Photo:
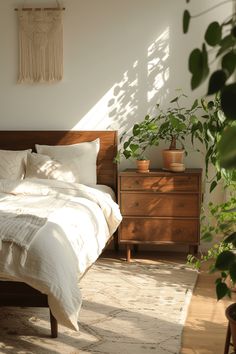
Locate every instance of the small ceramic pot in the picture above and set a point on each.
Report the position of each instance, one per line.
(143, 165)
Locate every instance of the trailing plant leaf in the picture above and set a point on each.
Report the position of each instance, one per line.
(228, 99)
(216, 82)
(221, 290)
(186, 21)
(213, 34)
(213, 186)
(231, 239)
(228, 63)
(232, 272)
(195, 104)
(195, 61)
(227, 148)
(225, 44)
(224, 260)
(174, 99)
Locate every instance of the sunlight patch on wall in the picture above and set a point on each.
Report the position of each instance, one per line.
(116, 106)
(157, 66)
(97, 118)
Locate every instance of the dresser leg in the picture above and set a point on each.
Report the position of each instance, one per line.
(128, 252)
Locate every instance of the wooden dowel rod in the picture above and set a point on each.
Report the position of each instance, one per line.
(39, 9)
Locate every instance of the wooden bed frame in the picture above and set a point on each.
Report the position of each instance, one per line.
(20, 294)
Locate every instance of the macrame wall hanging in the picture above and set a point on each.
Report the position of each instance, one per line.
(40, 44)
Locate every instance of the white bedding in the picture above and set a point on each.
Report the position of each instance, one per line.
(62, 250)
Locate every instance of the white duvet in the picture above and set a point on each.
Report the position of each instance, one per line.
(80, 220)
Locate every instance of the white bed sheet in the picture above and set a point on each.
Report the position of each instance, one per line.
(57, 259)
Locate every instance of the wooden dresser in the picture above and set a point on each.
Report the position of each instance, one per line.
(160, 207)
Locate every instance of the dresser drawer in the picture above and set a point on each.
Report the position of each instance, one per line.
(155, 204)
(159, 230)
(160, 183)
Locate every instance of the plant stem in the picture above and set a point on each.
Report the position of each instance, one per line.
(173, 143)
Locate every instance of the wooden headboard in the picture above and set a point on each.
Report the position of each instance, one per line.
(106, 168)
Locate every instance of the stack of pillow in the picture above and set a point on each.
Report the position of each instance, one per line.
(68, 163)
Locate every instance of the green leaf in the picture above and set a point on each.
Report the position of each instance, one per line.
(174, 99)
(224, 260)
(126, 144)
(186, 21)
(233, 32)
(217, 81)
(228, 62)
(181, 116)
(209, 133)
(136, 130)
(164, 126)
(127, 154)
(134, 147)
(174, 121)
(228, 99)
(231, 239)
(227, 148)
(195, 81)
(226, 43)
(210, 105)
(213, 185)
(198, 66)
(213, 34)
(195, 61)
(221, 116)
(204, 104)
(207, 236)
(221, 290)
(195, 104)
(194, 120)
(232, 272)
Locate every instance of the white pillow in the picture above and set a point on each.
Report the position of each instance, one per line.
(83, 154)
(12, 164)
(43, 166)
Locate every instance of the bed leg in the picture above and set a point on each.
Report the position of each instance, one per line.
(54, 326)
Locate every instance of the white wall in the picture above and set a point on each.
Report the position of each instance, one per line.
(120, 58)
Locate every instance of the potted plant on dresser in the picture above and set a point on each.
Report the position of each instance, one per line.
(135, 143)
(174, 125)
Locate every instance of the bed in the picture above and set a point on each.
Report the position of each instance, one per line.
(16, 291)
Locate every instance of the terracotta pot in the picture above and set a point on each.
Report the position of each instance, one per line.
(172, 156)
(230, 313)
(143, 165)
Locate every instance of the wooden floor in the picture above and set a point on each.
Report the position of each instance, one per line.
(205, 327)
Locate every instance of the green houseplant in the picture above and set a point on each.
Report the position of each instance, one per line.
(219, 45)
(135, 143)
(174, 125)
(209, 131)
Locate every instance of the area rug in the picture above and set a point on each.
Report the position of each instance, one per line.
(127, 308)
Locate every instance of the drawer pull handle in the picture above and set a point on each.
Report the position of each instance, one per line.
(136, 204)
(136, 182)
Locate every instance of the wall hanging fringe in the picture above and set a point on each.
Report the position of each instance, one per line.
(40, 45)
